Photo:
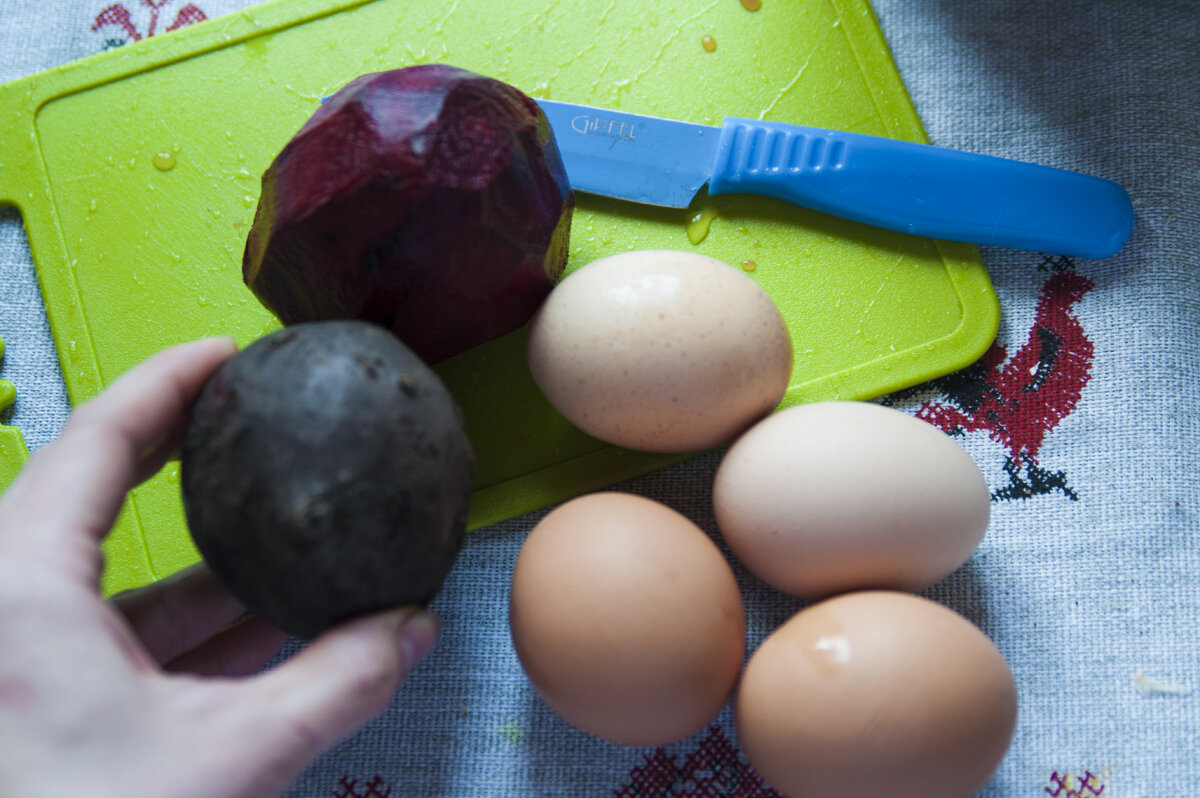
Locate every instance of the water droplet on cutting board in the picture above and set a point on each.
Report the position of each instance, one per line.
(164, 161)
(749, 265)
(257, 47)
(699, 223)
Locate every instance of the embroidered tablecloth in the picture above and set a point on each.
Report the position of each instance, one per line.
(1084, 416)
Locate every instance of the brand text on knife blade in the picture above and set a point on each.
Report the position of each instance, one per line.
(588, 124)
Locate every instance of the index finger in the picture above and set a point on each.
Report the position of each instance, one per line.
(65, 500)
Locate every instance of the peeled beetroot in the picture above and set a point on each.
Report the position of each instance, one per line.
(430, 200)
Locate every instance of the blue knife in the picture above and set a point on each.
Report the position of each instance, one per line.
(898, 185)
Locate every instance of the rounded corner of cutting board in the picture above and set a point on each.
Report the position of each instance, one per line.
(975, 332)
(980, 307)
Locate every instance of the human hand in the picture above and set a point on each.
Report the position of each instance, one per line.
(157, 692)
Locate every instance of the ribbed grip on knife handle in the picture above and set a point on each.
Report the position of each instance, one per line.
(758, 150)
(925, 190)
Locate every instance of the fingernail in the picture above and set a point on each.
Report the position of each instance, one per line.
(417, 637)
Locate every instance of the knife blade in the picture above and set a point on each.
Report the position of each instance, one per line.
(898, 185)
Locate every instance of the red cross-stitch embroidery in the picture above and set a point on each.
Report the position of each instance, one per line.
(1066, 786)
(351, 788)
(120, 17)
(713, 770)
(1018, 400)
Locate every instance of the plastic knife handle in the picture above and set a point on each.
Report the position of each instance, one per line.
(924, 190)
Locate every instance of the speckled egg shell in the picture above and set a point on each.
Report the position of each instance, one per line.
(660, 351)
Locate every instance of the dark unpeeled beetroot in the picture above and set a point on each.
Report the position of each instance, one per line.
(326, 474)
(429, 199)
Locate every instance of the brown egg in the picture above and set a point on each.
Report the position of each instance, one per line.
(627, 619)
(876, 693)
(660, 351)
(836, 496)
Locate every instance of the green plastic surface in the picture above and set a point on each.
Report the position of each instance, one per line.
(137, 171)
(12, 445)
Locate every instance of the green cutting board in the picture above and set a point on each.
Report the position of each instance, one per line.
(137, 171)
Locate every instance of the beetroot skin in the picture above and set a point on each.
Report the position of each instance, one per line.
(429, 199)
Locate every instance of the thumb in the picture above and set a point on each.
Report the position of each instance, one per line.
(338, 683)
